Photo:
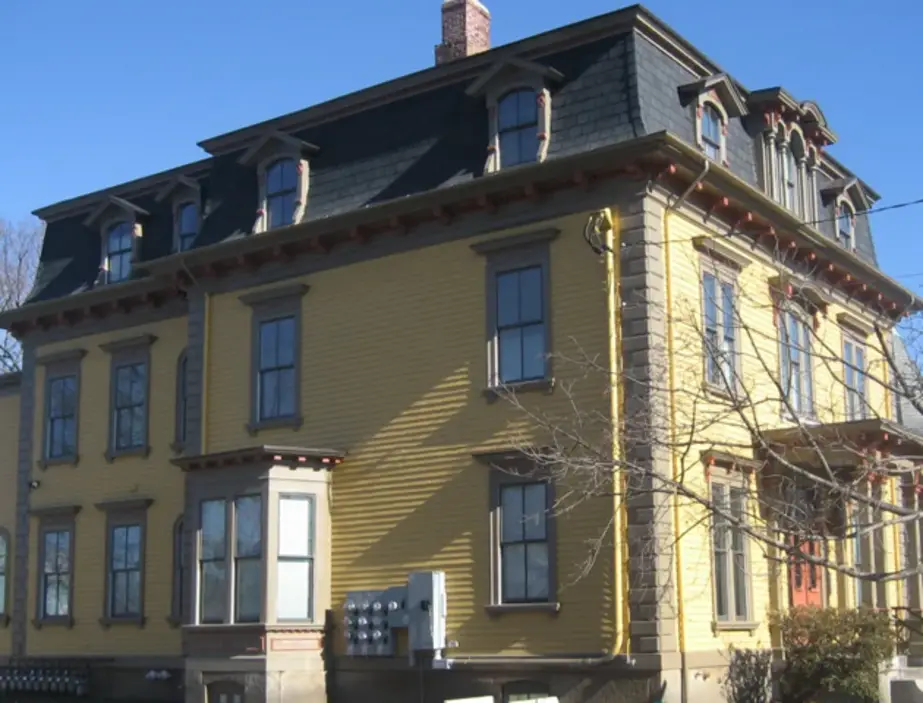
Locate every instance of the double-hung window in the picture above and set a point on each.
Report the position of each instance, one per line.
(521, 319)
(130, 406)
(118, 243)
(61, 433)
(231, 560)
(276, 380)
(281, 192)
(844, 226)
(524, 543)
(56, 573)
(187, 225)
(517, 128)
(125, 554)
(295, 565)
(854, 377)
(729, 553)
(712, 128)
(720, 332)
(797, 376)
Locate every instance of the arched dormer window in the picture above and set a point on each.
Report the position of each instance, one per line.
(517, 127)
(187, 224)
(281, 192)
(794, 184)
(845, 225)
(118, 250)
(713, 128)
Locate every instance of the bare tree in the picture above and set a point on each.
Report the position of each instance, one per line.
(20, 245)
(755, 381)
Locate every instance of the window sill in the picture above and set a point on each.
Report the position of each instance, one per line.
(142, 452)
(720, 393)
(71, 460)
(734, 626)
(539, 385)
(65, 621)
(137, 621)
(495, 609)
(293, 423)
(807, 419)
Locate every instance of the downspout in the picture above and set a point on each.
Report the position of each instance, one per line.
(613, 260)
(668, 290)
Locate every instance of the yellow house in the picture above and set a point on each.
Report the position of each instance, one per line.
(432, 390)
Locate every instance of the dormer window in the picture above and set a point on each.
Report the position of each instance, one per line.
(712, 132)
(187, 225)
(281, 193)
(282, 168)
(518, 111)
(845, 225)
(118, 245)
(791, 180)
(517, 127)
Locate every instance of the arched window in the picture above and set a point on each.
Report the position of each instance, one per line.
(712, 132)
(187, 225)
(517, 128)
(845, 225)
(4, 572)
(178, 611)
(281, 193)
(118, 252)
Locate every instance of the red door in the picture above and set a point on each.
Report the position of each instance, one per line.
(806, 580)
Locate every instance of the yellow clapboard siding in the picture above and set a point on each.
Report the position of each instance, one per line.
(703, 421)
(94, 480)
(393, 373)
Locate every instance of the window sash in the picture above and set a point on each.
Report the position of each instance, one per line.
(213, 582)
(130, 406)
(797, 375)
(520, 324)
(276, 374)
(61, 438)
(712, 125)
(519, 549)
(517, 128)
(56, 573)
(721, 357)
(248, 559)
(729, 555)
(125, 571)
(854, 380)
(295, 558)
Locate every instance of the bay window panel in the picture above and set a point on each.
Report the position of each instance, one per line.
(293, 597)
(295, 564)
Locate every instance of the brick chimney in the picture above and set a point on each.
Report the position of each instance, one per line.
(465, 30)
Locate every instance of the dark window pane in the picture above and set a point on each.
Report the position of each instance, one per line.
(721, 596)
(537, 571)
(269, 394)
(249, 590)
(510, 355)
(276, 211)
(269, 344)
(214, 591)
(188, 219)
(511, 514)
(508, 113)
(137, 426)
(133, 547)
(534, 511)
(530, 287)
(509, 149)
(286, 341)
(528, 107)
(119, 540)
(513, 562)
(533, 351)
(528, 145)
(214, 517)
(508, 299)
(286, 392)
(249, 527)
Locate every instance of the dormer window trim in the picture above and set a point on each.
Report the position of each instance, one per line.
(716, 92)
(125, 213)
(266, 151)
(507, 78)
(706, 103)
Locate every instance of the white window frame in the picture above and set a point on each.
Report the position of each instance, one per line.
(302, 171)
(729, 482)
(841, 203)
(309, 557)
(135, 233)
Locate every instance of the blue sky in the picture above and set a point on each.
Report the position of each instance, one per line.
(97, 92)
